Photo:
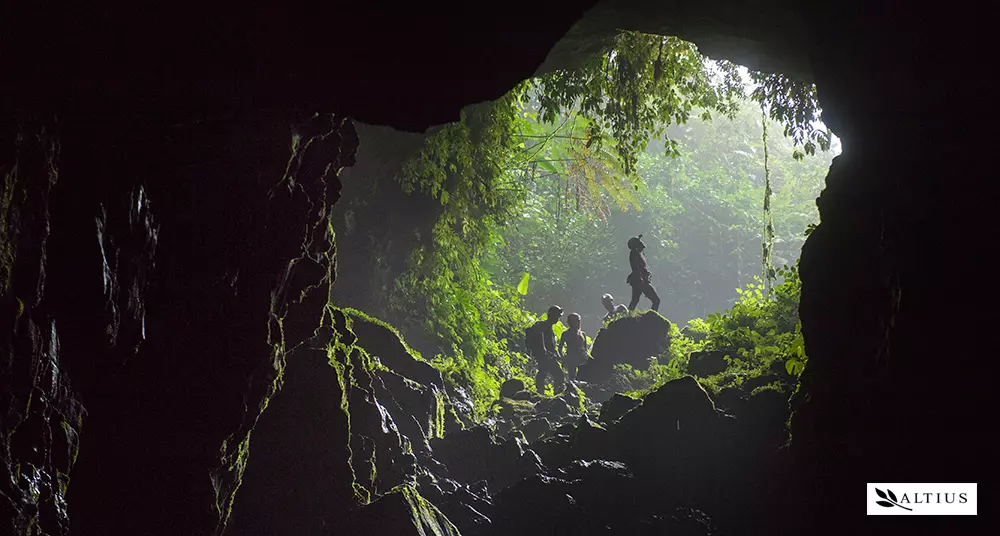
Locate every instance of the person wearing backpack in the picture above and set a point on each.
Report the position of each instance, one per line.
(541, 344)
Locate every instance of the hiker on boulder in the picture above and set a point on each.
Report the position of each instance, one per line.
(541, 343)
(573, 345)
(639, 278)
(613, 310)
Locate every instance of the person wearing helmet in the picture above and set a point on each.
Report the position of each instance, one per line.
(541, 343)
(639, 278)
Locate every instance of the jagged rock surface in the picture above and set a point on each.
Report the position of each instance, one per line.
(41, 416)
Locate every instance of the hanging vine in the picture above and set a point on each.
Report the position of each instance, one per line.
(768, 243)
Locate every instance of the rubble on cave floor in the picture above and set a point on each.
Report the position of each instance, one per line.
(675, 460)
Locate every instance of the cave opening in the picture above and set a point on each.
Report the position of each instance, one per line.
(462, 236)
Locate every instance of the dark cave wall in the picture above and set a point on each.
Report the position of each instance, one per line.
(886, 396)
(41, 416)
(171, 330)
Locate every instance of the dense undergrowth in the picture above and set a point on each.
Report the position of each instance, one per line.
(758, 334)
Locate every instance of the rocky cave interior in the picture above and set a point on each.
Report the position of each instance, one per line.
(167, 262)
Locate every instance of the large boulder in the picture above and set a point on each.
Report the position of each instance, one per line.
(536, 429)
(729, 399)
(419, 410)
(511, 387)
(672, 434)
(300, 474)
(474, 455)
(628, 339)
(616, 407)
(708, 363)
(466, 508)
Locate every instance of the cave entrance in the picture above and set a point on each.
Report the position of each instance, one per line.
(464, 235)
(460, 238)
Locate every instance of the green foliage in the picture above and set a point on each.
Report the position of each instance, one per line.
(549, 181)
(758, 330)
(636, 89)
(522, 287)
(795, 105)
(700, 212)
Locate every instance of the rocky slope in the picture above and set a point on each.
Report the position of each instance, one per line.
(364, 439)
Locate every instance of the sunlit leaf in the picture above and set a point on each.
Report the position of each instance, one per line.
(522, 287)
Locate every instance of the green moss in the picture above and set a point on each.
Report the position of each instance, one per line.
(7, 233)
(354, 314)
(773, 386)
(426, 517)
(440, 402)
(510, 407)
(580, 396)
(339, 353)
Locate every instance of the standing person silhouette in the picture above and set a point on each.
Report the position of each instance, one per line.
(639, 278)
(573, 346)
(541, 343)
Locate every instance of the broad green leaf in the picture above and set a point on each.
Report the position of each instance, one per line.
(522, 287)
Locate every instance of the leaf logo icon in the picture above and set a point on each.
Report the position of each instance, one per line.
(889, 501)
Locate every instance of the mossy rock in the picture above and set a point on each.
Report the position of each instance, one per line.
(402, 511)
(510, 407)
(629, 339)
(530, 396)
(382, 340)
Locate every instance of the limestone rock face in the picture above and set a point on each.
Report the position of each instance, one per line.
(402, 511)
(155, 275)
(41, 415)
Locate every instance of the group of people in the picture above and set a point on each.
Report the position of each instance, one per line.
(572, 348)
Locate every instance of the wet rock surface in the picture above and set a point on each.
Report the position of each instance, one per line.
(41, 415)
(372, 440)
(617, 406)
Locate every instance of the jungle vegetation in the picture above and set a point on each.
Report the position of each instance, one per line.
(540, 189)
